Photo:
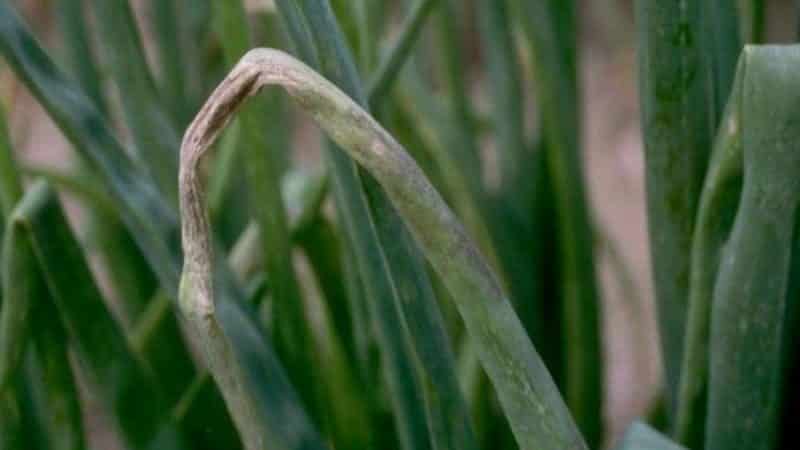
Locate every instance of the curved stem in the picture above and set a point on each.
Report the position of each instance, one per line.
(537, 413)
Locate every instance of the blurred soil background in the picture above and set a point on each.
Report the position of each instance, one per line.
(614, 171)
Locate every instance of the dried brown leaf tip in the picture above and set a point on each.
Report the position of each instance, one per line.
(523, 383)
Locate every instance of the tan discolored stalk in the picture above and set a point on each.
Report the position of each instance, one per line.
(537, 413)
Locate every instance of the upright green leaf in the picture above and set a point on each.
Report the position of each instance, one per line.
(155, 334)
(722, 44)
(718, 206)
(676, 124)
(448, 129)
(130, 278)
(197, 44)
(194, 415)
(405, 389)
(296, 25)
(346, 408)
(136, 406)
(168, 21)
(390, 65)
(54, 390)
(10, 184)
(448, 417)
(151, 221)
(127, 268)
(26, 301)
(145, 115)
(371, 19)
(13, 433)
(322, 247)
(512, 230)
(80, 56)
(143, 211)
(754, 13)
(457, 94)
(20, 290)
(347, 15)
(551, 31)
(504, 74)
(445, 410)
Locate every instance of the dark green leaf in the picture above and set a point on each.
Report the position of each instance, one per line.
(513, 229)
(13, 433)
(755, 21)
(54, 390)
(168, 22)
(676, 104)
(48, 377)
(146, 215)
(391, 64)
(551, 32)
(718, 206)
(404, 386)
(80, 57)
(149, 219)
(153, 133)
(20, 290)
(129, 392)
(465, 145)
(10, 185)
(722, 44)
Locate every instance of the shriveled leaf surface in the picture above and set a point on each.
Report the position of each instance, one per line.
(536, 411)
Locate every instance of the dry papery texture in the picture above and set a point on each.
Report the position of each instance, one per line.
(536, 412)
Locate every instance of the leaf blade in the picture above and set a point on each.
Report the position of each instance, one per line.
(99, 343)
(676, 125)
(640, 436)
(755, 295)
(149, 219)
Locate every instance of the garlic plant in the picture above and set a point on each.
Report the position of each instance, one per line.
(215, 295)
